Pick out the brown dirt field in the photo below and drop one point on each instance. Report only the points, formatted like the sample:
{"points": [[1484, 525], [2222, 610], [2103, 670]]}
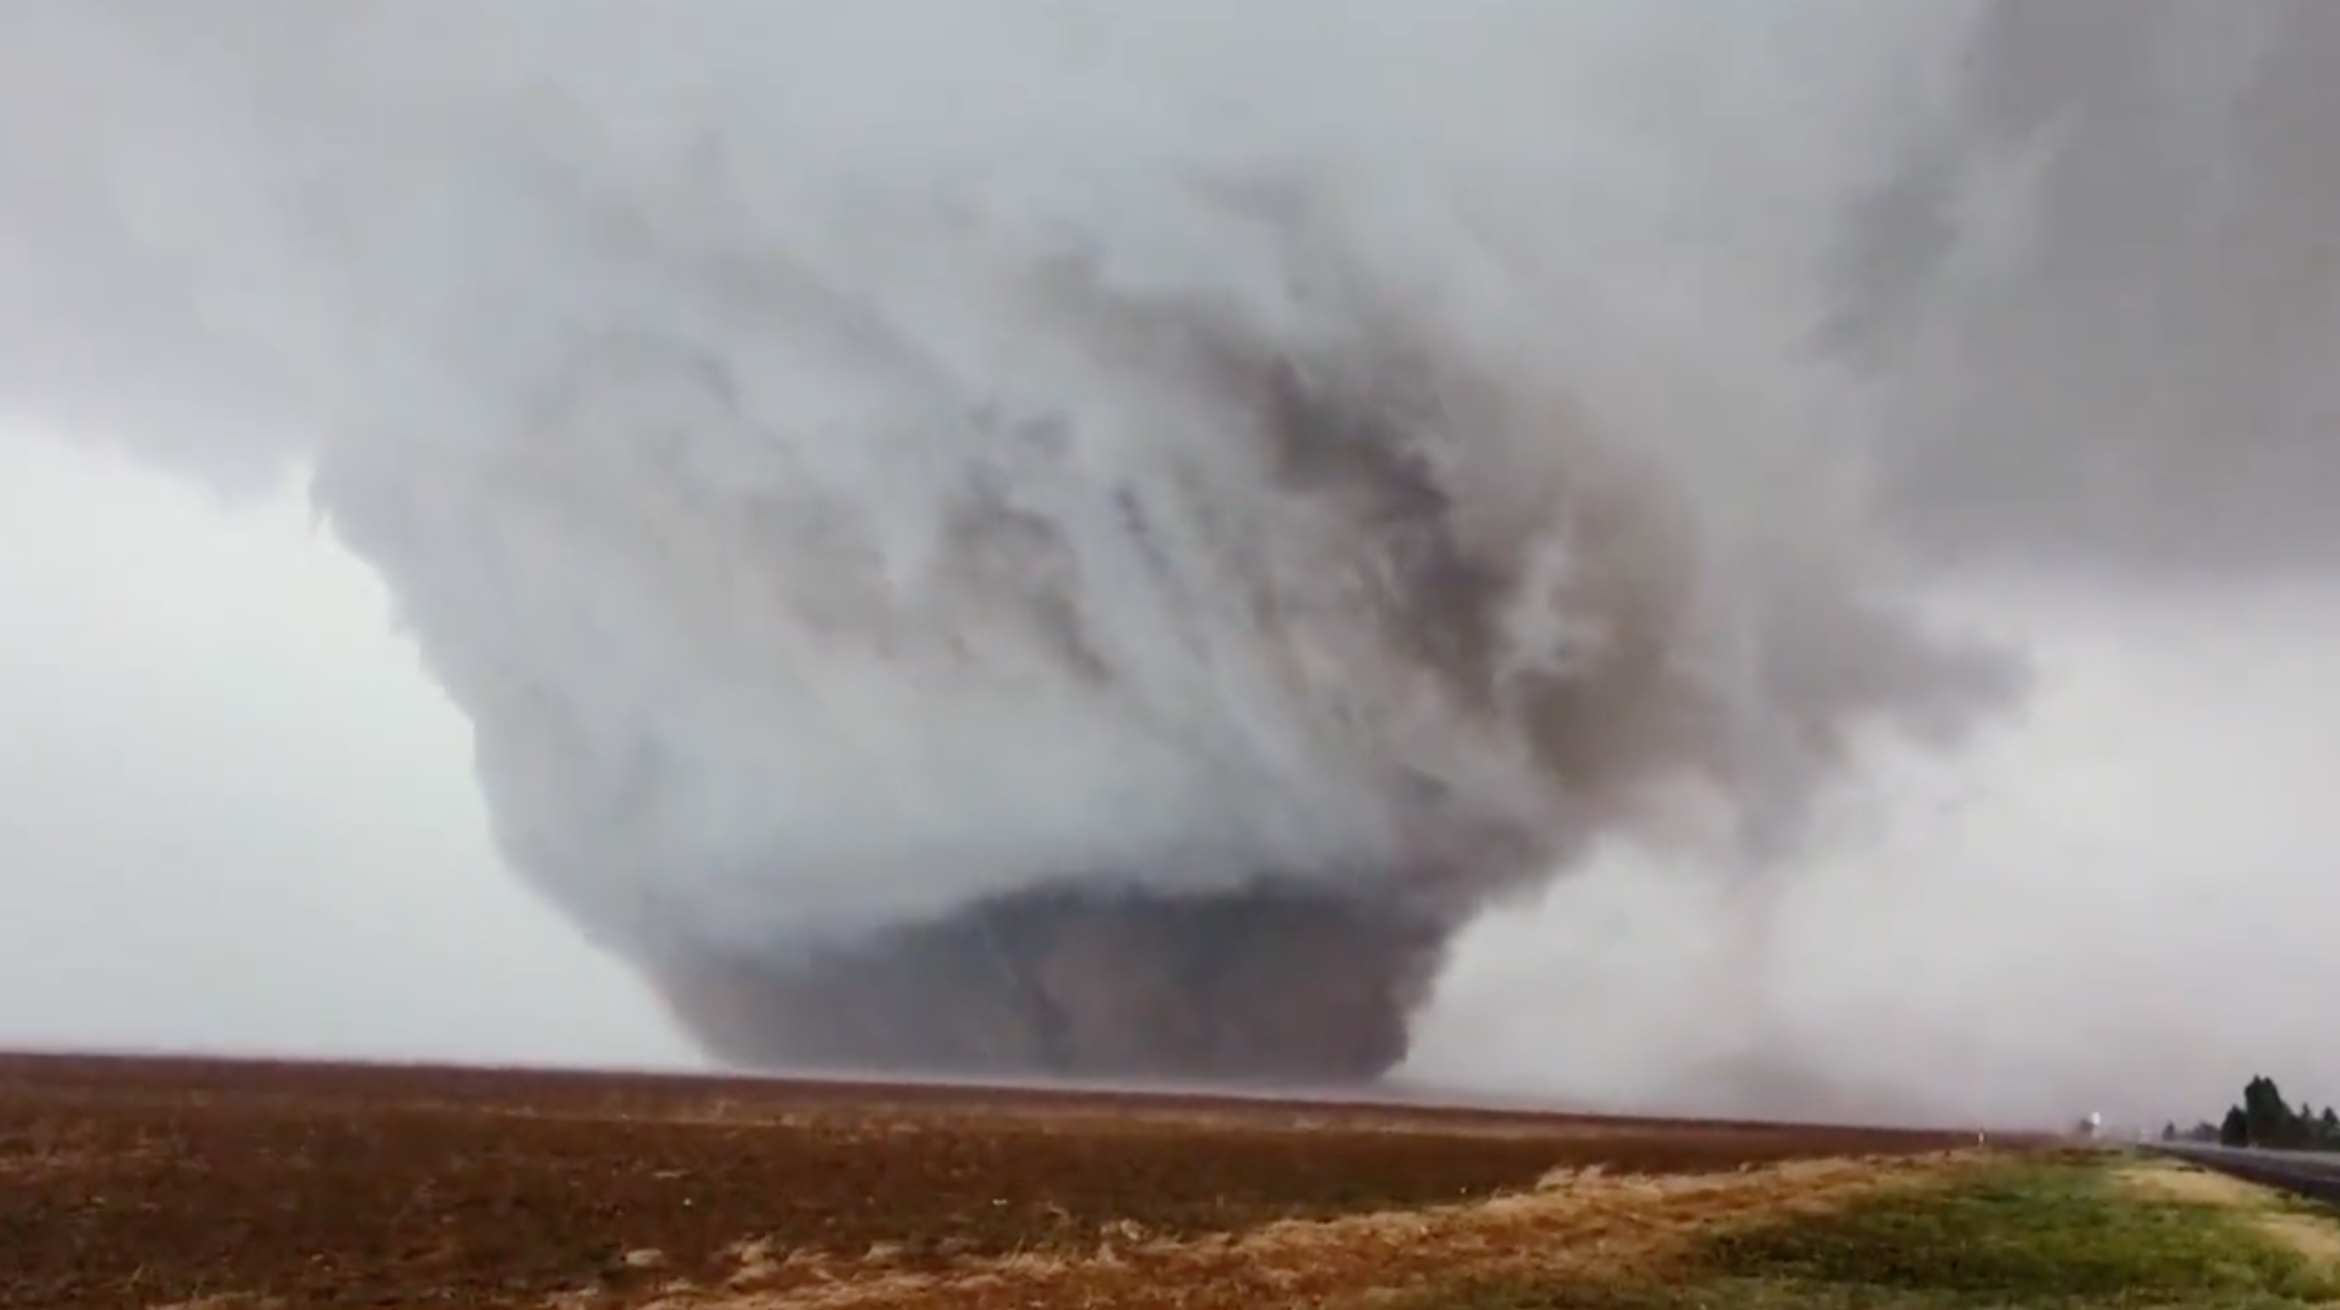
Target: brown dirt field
{"points": [[148, 1183]]}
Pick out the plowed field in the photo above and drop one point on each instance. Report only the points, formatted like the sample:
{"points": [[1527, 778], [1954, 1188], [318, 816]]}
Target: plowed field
{"points": [[147, 1183]]}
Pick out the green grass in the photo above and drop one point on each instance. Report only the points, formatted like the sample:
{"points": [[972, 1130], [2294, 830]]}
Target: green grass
{"points": [[2057, 1232]]}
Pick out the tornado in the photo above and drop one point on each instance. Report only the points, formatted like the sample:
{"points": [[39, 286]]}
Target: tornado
{"points": [[1057, 540], [1284, 988]]}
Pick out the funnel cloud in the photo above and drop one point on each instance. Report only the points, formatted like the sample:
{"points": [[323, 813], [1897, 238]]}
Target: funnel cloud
{"points": [[1087, 541]]}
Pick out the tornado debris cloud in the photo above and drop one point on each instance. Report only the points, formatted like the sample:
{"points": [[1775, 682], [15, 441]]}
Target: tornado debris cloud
{"points": [[1049, 542], [1282, 987], [1049, 538]]}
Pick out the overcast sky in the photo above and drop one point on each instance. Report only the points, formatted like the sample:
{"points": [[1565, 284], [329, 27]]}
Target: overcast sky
{"points": [[239, 817]]}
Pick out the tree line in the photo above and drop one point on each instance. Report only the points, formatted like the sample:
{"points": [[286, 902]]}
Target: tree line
{"points": [[2265, 1121]]}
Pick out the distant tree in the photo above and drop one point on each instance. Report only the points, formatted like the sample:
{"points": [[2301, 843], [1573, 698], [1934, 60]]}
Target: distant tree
{"points": [[2236, 1130], [2267, 1121], [2169, 1131], [2267, 1117]]}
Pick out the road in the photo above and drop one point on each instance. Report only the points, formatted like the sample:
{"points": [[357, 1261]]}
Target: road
{"points": [[2312, 1175]]}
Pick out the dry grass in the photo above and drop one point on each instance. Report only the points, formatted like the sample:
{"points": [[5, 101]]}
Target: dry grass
{"points": [[2313, 1233], [1576, 1224], [2315, 1237], [2172, 1180]]}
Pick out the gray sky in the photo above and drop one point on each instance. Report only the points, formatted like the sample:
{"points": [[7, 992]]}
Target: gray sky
{"points": [[240, 818]]}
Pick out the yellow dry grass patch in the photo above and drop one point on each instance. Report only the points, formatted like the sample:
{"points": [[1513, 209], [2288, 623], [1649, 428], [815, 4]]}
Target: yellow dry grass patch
{"points": [[1582, 1223], [2315, 1238], [2170, 1180]]}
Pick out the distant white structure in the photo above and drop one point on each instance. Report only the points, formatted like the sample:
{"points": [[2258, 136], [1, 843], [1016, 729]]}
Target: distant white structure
{"points": [[2093, 1125]]}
